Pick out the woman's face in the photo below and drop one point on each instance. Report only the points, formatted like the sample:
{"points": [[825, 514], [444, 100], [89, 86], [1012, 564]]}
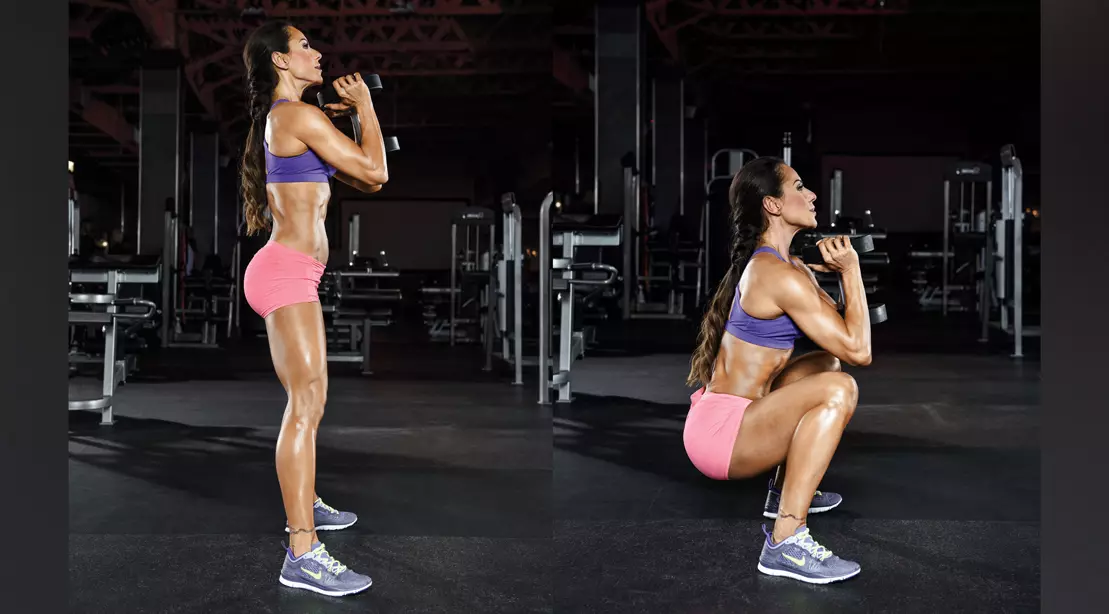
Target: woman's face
{"points": [[302, 61], [797, 202]]}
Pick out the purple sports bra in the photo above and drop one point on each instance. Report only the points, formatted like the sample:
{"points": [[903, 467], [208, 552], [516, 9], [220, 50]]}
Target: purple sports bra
{"points": [[304, 167], [779, 333]]}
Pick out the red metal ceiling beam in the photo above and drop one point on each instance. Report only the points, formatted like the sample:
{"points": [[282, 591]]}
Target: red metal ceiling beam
{"points": [[669, 17], [104, 117], [568, 71], [349, 36], [803, 8], [120, 5], [355, 8], [806, 29], [157, 17]]}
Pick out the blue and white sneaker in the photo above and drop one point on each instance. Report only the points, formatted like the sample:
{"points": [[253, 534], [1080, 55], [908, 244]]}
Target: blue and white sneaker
{"points": [[319, 572], [327, 518], [821, 502], [801, 558]]}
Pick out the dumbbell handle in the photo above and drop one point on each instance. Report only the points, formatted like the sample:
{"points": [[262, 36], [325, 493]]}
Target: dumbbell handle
{"points": [[372, 81], [862, 244]]}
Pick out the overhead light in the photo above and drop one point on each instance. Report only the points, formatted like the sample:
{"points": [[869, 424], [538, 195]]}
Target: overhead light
{"points": [[71, 166]]}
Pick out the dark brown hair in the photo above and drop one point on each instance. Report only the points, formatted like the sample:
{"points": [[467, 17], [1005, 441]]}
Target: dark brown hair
{"points": [[261, 80], [757, 179]]}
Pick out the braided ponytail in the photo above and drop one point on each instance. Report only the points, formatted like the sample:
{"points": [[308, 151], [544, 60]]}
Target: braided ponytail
{"points": [[261, 79]]}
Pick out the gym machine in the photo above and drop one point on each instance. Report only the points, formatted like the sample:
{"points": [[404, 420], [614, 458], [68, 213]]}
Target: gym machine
{"points": [[350, 314], [474, 270], [107, 311], [570, 232], [74, 219], [1008, 235], [510, 286], [204, 299]]}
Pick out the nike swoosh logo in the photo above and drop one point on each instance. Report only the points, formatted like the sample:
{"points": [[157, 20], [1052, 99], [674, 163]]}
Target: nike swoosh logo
{"points": [[317, 575], [799, 562]]}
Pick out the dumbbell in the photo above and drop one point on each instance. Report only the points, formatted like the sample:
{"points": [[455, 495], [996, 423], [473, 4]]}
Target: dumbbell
{"points": [[862, 244], [327, 95]]}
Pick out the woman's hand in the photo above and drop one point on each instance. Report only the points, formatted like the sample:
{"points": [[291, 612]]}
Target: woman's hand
{"points": [[352, 91], [839, 255]]}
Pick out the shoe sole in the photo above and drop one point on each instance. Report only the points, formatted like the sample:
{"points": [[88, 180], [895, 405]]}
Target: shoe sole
{"points": [[782, 573], [812, 510], [331, 527], [315, 589]]}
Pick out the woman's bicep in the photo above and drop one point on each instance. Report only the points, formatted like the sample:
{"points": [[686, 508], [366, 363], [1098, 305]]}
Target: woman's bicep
{"points": [[804, 304]]}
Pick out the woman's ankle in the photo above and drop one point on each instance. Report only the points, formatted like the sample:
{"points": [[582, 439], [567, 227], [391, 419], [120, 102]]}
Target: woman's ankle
{"points": [[784, 528], [301, 541]]}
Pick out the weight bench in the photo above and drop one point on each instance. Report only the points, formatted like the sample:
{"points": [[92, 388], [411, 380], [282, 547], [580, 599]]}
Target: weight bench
{"points": [[115, 370], [359, 322]]}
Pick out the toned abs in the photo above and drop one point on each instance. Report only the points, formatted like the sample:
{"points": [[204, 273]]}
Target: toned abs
{"points": [[299, 210]]}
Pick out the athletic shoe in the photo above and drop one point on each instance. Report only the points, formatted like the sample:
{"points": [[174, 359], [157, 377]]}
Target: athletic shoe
{"points": [[821, 502], [328, 518], [319, 572], [801, 558]]}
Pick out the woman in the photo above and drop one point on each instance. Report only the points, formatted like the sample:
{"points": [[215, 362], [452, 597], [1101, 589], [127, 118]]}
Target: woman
{"points": [[758, 408], [291, 152]]}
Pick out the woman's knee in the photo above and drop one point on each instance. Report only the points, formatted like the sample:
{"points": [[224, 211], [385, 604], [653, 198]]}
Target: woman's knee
{"points": [[308, 399], [842, 392]]}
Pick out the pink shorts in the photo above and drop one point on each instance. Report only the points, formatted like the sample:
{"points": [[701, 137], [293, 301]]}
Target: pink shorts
{"points": [[278, 276], [711, 428]]}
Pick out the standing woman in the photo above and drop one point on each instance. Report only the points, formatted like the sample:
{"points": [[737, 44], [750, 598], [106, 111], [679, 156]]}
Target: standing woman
{"points": [[291, 152], [759, 405]]}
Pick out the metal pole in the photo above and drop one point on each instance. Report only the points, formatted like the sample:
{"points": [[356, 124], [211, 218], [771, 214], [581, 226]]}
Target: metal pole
{"points": [[518, 295], [111, 332], [1018, 264], [490, 300], [946, 232], [987, 265], [630, 212], [835, 204], [545, 298], [168, 260], [454, 276], [681, 147]]}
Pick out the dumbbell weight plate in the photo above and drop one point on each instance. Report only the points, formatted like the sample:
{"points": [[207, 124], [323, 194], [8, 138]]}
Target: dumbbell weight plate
{"points": [[355, 132], [862, 244], [878, 313]]}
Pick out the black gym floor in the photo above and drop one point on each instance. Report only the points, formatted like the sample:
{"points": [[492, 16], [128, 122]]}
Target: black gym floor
{"points": [[176, 507]]}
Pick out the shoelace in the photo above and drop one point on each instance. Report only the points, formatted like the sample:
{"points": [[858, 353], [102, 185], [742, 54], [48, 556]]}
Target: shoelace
{"points": [[327, 507], [806, 542], [331, 563]]}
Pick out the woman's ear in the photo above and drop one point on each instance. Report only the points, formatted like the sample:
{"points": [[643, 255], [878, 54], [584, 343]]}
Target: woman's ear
{"points": [[280, 60], [771, 205]]}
